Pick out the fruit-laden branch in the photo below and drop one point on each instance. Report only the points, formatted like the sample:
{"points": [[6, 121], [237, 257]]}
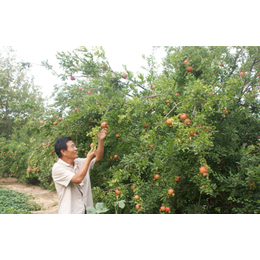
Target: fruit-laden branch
{"points": [[109, 190], [170, 112], [174, 108], [49, 67], [129, 80]]}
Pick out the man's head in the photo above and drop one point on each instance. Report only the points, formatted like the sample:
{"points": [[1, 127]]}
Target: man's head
{"points": [[64, 147]]}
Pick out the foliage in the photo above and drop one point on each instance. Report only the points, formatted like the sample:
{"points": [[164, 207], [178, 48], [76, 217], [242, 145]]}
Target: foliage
{"points": [[100, 208], [13, 202], [20, 99], [153, 156]]}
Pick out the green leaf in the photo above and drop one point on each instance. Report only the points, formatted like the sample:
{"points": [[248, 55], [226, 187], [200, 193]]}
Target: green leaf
{"points": [[121, 204], [101, 207], [91, 210]]}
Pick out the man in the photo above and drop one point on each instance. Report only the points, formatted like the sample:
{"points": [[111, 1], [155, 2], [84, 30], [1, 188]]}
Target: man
{"points": [[71, 175]]}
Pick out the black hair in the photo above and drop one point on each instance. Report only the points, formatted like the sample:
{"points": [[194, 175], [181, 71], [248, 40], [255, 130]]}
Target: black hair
{"points": [[61, 144]]}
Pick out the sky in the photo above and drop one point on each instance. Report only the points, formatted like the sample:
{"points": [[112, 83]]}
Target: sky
{"points": [[131, 56]]}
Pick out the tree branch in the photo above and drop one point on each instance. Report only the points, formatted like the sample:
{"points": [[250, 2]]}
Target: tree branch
{"points": [[129, 80], [170, 112], [234, 66], [194, 111], [123, 141]]}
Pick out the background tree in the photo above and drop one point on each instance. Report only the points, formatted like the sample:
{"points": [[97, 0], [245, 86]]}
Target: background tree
{"points": [[20, 99], [21, 105]]}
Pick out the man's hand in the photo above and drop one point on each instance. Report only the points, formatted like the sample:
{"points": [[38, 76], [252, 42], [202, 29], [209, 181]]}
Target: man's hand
{"points": [[91, 155], [100, 150], [102, 134], [80, 175]]}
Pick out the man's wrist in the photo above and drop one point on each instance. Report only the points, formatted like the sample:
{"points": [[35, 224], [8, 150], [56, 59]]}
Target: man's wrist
{"points": [[90, 157]]}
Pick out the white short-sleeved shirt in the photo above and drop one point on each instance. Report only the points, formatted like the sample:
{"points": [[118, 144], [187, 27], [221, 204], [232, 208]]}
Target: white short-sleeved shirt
{"points": [[74, 198]]}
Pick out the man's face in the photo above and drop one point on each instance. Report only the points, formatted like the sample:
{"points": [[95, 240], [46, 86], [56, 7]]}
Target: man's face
{"points": [[71, 152]]}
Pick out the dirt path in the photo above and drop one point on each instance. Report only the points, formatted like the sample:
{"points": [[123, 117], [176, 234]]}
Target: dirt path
{"points": [[48, 199]]}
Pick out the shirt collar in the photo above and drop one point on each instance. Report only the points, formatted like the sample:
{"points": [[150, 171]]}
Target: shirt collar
{"points": [[67, 164]]}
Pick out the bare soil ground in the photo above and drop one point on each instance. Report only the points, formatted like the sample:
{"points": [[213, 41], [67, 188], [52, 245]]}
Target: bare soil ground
{"points": [[47, 199]]}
